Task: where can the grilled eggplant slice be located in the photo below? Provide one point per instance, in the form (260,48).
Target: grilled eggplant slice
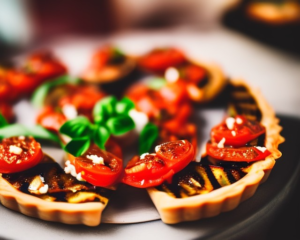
(205,190)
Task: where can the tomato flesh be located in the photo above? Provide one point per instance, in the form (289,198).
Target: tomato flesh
(158,60)
(153,169)
(242,154)
(239,133)
(19,153)
(102,175)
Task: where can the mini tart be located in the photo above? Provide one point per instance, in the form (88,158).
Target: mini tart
(214,84)
(43,207)
(209,201)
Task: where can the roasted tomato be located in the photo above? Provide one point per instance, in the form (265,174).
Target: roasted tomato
(51,119)
(237,131)
(44,65)
(98,167)
(151,170)
(158,60)
(242,154)
(193,73)
(18,154)
(169,103)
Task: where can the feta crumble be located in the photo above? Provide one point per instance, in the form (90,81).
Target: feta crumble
(230,122)
(96,159)
(221,143)
(70,169)
(262,149)
(171,74)
(14,149)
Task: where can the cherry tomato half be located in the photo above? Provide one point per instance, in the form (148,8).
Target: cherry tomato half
(50,119)
(242,154)
(102,174)
(158,60)
(237,131)
(19,153)
(153,169)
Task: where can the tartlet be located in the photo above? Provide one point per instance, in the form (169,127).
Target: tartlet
(174,210)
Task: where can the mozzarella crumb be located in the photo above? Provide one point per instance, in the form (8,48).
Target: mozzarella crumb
(239,120)
(233,133)
(14,149)
(140,119)
(21,137)
(230,122)
(44,189)
(70,169)
(142,182)
(69,111)
(171,74)
(143,155)
(96,159)
(157,148)
(221,143)
(42,179)
(262,149)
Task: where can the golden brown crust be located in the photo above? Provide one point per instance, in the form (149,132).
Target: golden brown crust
(78,213)
(174,210)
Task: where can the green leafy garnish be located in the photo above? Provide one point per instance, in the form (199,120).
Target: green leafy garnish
(110,117)
(39,95)
(20,130)
(147,137)
(3,121)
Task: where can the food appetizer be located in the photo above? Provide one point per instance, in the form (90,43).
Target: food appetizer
(154,117)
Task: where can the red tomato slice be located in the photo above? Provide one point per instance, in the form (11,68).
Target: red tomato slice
(19,153)
(153,169)
(7,111)
(240,132)
(102,175)
(50,119)
(158,60)
(193,73)
(243,154)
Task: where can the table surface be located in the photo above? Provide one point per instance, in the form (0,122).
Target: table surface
(273,72)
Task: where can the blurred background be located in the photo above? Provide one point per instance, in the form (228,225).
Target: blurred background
(255,39)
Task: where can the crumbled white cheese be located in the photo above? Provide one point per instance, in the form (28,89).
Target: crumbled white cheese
(230,122)
(21,138)
(14,149)
(44,189)
(143,155)
(69,111)
(70,169)
(142,182)
(140,119)
(262,149)
(171,74)
(96,159)
(157,148)
(233,133)
(239,120)
(221,143)
(42,179)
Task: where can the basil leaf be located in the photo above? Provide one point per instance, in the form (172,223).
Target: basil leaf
(39,95)
(20,130)
(157,83)
(124,106)
(77,127)
(120,125)
(148,136)
(3,121)
(78,146)
(104,108)
(101,135)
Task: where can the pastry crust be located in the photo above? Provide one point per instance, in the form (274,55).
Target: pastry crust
(174,210)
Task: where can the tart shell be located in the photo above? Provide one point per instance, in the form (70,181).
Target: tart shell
(175,210)
(79,213)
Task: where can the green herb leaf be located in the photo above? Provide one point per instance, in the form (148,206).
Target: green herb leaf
(20,130)
(148,136)
(77,127)
(157,83)
(3,121)
(104,108)
(101,135)
(78,146)
(39,95)
(124,106)
(120,125)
